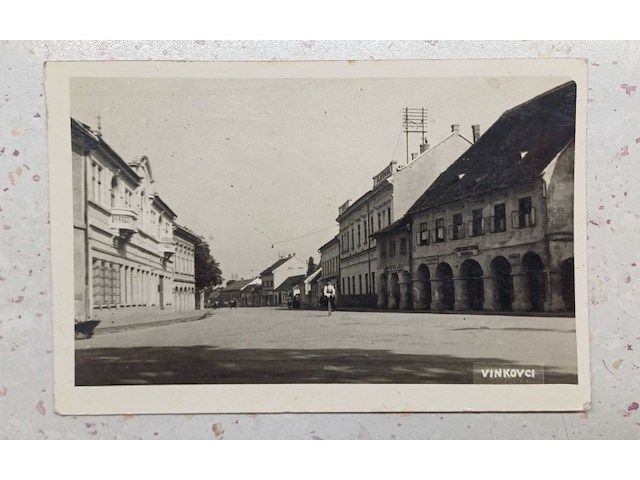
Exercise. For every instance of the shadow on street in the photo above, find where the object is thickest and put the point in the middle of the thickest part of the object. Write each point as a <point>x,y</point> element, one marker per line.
<point>210,365</point>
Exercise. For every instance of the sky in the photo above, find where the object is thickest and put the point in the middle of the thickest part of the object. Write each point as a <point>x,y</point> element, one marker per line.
<point>259,167</point>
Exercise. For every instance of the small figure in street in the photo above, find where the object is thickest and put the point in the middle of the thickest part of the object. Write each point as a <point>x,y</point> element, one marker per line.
<point>330,294</point>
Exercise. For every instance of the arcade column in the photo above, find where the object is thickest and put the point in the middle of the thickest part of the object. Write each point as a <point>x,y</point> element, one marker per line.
<point>405,293</point>
<point>419,297</point>
<point>437,296</point>
<point>521,294</point>
<point>491,294</point>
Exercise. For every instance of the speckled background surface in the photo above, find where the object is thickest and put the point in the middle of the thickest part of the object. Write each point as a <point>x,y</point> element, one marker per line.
<point>26,380</point>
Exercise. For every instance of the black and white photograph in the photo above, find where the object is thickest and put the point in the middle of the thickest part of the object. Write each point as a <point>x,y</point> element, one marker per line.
<point>318,236</point>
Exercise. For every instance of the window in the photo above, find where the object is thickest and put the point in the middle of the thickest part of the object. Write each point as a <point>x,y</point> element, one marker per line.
<point>403,246</point>
<point>99,199</point>
<point>388,215</point>
<point>423,235</point>
<point>353,284</point>
<point>477,222</point>
<point>96,182</point>
<point>352,241</point>
<point>439,230</point>
<point>392,248</point>
<point>499,223</point>
<point>359,236</point>
<point>112,191</point>
<point>457,230</point>
<point>373,282</point>
<point>383,249</point>
<point>379,221</point>
<point>127,198</point>
<point>525,214</point>
<point>98,283</point>
<point>366,282</point>
<point>106,283</point>
<point>366,233</point>
<point>142,207</point>
<point>360,284</point>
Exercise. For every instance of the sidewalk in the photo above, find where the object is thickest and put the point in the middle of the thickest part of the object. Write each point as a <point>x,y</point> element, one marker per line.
<point>151,320</point>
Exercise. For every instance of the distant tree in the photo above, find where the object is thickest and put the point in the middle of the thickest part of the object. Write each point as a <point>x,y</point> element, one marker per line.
<point>311,267</point>
<point>207,270</point>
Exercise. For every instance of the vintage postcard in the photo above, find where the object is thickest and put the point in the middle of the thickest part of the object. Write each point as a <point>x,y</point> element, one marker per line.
<point>361,236</point>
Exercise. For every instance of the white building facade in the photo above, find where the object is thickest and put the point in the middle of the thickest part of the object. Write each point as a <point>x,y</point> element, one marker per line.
<point>124,243</point>
<point>395,189</point>
<point>184,283</point>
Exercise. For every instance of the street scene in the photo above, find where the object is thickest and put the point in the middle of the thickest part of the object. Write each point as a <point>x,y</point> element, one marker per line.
<point>323,230</point>
<point>296,346</point>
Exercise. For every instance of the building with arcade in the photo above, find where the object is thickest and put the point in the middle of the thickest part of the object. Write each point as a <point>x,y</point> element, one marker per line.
<point>494,232</point>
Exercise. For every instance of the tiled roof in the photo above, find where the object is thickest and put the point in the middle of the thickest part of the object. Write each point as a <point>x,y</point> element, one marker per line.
<point>312,276</point>
<point>239,284</point>
<point>515,150</point>
<point>274,266</point>
<point>291,282</point>
<point>393,227</point>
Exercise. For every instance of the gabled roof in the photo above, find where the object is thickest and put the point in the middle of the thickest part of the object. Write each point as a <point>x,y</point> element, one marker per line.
<point>278,263</point>
<point>290,282</point>
<point>394,227</point>
<point>143,163</point>
<point>398,169</point>
<point>239,285</point>
<point>314,275</point>
<point>515,150</point>
<point>432,149</point>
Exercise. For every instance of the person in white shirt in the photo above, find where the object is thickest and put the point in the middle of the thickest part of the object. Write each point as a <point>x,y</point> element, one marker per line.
<point>330,293</point>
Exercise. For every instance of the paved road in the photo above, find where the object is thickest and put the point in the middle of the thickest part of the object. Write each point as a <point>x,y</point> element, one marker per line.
<point>292,346</point>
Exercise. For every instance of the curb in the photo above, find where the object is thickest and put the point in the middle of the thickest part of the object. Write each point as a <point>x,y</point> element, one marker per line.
<point>158,323</point>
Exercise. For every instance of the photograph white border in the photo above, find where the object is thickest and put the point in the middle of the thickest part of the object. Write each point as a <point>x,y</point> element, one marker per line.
<point>78,400</point>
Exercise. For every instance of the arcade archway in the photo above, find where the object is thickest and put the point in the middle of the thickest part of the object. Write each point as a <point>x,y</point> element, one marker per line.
<point>471,274</point>
<point>503,282</point>
<point>444,276</point>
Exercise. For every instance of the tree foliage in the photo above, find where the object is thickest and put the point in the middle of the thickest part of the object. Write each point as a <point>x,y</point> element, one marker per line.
<point>207,270</point>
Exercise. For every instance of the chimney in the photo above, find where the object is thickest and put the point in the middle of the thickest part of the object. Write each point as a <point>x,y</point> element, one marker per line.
<point>424,146</point>
<point>455,128</point>
<point>413,156</point>
<point>476,132</point>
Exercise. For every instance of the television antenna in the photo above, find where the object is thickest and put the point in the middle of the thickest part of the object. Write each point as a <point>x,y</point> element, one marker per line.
<point>414,120</point>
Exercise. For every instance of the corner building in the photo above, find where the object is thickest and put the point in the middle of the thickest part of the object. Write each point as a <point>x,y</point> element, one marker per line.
<point>395,189</point>
<point>495,231</point>
<point>130,258</point>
